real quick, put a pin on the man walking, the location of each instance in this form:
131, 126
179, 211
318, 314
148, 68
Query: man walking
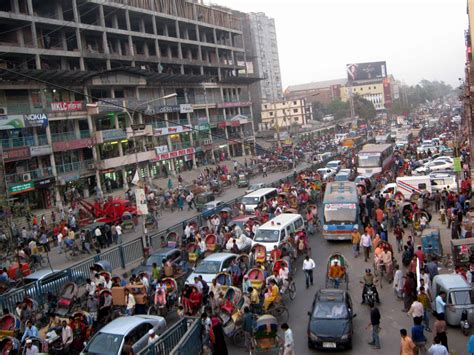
308, 267
407, 346
289, 342
375, 324
355, 242
365, 243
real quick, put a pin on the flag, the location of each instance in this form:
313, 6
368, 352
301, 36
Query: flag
136, 178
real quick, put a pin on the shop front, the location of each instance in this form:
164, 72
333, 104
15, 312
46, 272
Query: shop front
177, 161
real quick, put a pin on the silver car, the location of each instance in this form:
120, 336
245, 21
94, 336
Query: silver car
124, 332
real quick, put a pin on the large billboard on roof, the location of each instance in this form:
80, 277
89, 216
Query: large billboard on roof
366, 71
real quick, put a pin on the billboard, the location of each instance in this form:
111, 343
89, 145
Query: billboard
366, 71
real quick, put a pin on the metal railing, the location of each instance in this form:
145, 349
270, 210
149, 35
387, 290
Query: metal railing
191, 342
181, 145
63, 136
74, 166
33, 175
24, 141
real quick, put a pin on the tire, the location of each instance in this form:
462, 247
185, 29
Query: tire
292, 290
239, 338
280, 313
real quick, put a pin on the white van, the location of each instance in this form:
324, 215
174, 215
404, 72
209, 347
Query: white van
408, 185
440, 181
253, 199
277, 230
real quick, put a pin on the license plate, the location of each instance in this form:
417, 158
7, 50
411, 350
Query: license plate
329, 345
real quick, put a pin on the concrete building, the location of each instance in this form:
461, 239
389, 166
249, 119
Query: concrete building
371, 91
321, 91
281, 115
468, 96
80, 89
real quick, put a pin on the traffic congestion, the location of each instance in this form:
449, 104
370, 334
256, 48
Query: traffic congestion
241, 269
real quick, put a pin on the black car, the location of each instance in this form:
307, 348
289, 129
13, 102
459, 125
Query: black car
330, 320
157, 257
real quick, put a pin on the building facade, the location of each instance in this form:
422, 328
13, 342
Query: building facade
283, 114
468, 98
371, 91
322, 91
92, 90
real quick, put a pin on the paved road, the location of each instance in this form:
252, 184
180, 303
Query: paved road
169, 219
392, 317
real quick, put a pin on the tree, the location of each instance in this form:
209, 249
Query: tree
364, 108
338, 109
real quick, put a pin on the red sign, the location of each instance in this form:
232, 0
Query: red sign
174, 154
67, 106
74, 144
10, 154
387, 93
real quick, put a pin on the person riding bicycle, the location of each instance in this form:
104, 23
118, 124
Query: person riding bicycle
368, 282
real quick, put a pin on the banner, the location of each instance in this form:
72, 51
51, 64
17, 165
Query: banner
11, 122
67, 106
142, 207
36, 120
366, 71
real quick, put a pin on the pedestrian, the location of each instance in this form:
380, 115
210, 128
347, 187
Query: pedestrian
424, 299
398, 232
289, 345
356, 242
308, 267
375, 324
264, 170
416, 311
440, 302
407, 346
189, 201
366, 243
437, 348
439, 329
118, 230
247, 327
418, 336
398, 282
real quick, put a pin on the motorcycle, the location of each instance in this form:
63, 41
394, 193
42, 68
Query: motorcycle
465, 326
370, 295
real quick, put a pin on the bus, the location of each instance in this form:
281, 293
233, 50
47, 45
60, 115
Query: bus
340, 210
374, 158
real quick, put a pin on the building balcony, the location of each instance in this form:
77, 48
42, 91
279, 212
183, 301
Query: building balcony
69, 136
110, 135
180, 145
14, 142
122, 161
75, 166
26, 176
51, 108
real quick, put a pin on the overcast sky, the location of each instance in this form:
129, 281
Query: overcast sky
419, 39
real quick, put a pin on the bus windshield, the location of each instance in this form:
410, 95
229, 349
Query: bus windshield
340, 213
367, 161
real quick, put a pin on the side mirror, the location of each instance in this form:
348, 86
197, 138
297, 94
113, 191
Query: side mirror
354, 315
309, 314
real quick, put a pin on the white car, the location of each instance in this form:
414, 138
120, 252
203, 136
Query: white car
439, 165
425, 148
210, 266
255, 187
326, 173
334, 164
444, 158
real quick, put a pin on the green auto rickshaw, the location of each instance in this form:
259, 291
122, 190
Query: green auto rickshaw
203, 198
242, 181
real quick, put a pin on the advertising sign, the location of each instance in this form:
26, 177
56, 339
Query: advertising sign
67, 106
36, 120
174, 154
24, 187
10, 154
11, 122
186, 108
172, 130
161, 149
110, 105
366, 71
113, 134
142, 206
40, 150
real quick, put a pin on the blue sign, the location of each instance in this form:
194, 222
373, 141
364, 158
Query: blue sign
36, 120
114, 134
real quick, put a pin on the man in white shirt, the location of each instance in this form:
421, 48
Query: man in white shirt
90, 287
152, 337
60, 242
308, 267
416, 311
118, 229
366, 243
130, 302
66, 335
437, 348
289, 345
440, 304
30, 348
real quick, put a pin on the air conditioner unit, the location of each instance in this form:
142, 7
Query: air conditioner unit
207, 141
26, 177
3, 111
91, 166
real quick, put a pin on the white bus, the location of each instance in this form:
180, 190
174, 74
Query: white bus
374, 158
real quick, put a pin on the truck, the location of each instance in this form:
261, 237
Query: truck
407, 186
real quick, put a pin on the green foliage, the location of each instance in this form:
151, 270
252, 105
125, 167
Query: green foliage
364, 108
338, 109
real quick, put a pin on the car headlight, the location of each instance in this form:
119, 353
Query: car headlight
325, 227
345, 337
313, 337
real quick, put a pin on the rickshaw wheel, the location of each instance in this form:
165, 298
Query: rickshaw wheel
239, 338
280, 313
292, 290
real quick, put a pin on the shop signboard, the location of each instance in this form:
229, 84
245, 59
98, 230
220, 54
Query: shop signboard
10, 154
40, 150
74, 144
142, 206
234, 104
174, 154
65, 106
202, 127
113, 134
11, 122
172, 130
19, 188
36, 120
110, 105
186, 108
161, 149
44, 183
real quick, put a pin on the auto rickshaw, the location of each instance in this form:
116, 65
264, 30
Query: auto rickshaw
265, 338
203, 198
242, 180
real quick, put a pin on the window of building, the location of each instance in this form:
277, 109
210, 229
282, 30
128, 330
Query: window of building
295, 110
271, 113
361, 89
265, 106
294, 102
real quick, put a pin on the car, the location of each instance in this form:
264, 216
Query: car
330, 320
157, 257
255, 187
326, 173
425, 148
334, 164
444, 158
113, 337
212, 207
51, 280
210, 266
341, 176
241, 220
434, 166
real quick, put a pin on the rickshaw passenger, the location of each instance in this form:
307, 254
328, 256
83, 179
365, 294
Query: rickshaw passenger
275, 253
271, 295
336, 273
160, 297
283, 276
